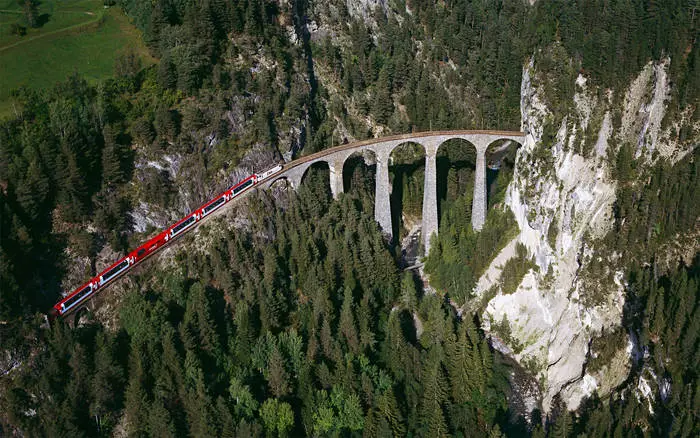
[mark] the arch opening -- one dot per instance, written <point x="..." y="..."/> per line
<point x="282" y="190"/>
<point x="82" y="313"/>
<point x="359" y="177"/>
<point x="315" y="184"/>
<point x="456" y="166"/>
<point x="407" y="176"/>
<point x="500" y="166"/>
<point x="315" y="173"/>
<point x="314" y="191"/>
<point x="281" y="183"/>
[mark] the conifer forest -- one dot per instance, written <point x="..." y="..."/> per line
<point x="291" y="313"/>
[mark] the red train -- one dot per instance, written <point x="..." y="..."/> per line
<point x="134" y="257"/>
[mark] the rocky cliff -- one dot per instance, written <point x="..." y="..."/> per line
<point x="562" y="196"/>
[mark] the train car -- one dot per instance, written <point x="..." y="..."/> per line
<point x="150" y="247"/>
<point x="76" y="297"/>
<point x="237" y="189"/>
<point x="184" y="225"/>
<point x="115" y="270"/>
<point x="266" y="174"/>
<point x="126" y="263"/>
<point x="214" y="204"/>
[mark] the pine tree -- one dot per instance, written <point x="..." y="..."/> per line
<point x="347" y="323"/>
<point x="166" y="121"/>
<point x="496" y="432"/>
<point x="107" y="380"/>
<point x="277" y="417"/>
<point x="200" y="410"/>
<point x="393" y="347"/>
<point x="408" y="292"/>
<point x="159" y="18"/>
<point x="563" y="425"/>
<point x="326" y="338"/>
<point x="160" y="421"/>
<point x="172" y="359"/>
<point x="112" y="173"/>
<point x="244" y="404"/>
<point x="31" y="11"/>
<point x="167" y="73"/>
<point x="277" y="376"/>
<point x="226" y="420"/>
<point x="388" y="407"/>
<point x="74" y="191"/>
<point x="462" y="369"/>
<point x="136" y="397"/>
<point x="434" y="395"/>
<point x="77" y="390"/>
<point x="367" y="337"/>
<point x="33" y="192"/>
<point x="245" y="334"/>
<point x="206" y="326"/>
<point x="383" y="103"/>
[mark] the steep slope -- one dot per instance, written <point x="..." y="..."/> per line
<point x="563" y="196"/>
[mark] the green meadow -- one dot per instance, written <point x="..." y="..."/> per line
<point x="77" y="36"/>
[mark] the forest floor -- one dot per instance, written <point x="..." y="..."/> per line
<point x="77" y="36"/>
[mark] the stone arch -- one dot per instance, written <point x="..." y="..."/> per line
<point x="500" y="163"/>
<point x="406" y="180"/>
<point x="281" y="181"/>
<point x="456" y="165"/>
<point x="78" y="313"/>
<point x="317" y="169"/>
<point x="359" y="172"/>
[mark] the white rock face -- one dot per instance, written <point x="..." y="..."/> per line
<point x="562" y="202"/>
<point x="645" y="105"/>
<point x="363" y="9"/>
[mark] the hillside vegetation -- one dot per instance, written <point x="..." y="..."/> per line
<point x="295" y="320"/>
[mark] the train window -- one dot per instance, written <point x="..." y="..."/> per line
<point x="115" y="270"/>
<point x="213" y="205"/>
<point x="140" y="252"/>
<point x="243" y="186"/>
<point x="75" y="298"/>
<point x="182" y="225"/>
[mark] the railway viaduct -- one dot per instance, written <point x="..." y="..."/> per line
<point x="382" y="148"/>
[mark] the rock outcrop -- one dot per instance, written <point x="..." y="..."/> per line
<point x="562" y="196"/>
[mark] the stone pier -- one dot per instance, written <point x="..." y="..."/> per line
<point x="382" y="194"/>
<point x="479" y="201"/>
<point x="382" y="148"/>
<point x="430" y="205"/>
<point x="336" y="168"/>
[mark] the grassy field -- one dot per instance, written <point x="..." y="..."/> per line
<point x="78" y="36"/>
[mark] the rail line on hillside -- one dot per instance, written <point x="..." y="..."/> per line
<point x="79" y="297"/>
